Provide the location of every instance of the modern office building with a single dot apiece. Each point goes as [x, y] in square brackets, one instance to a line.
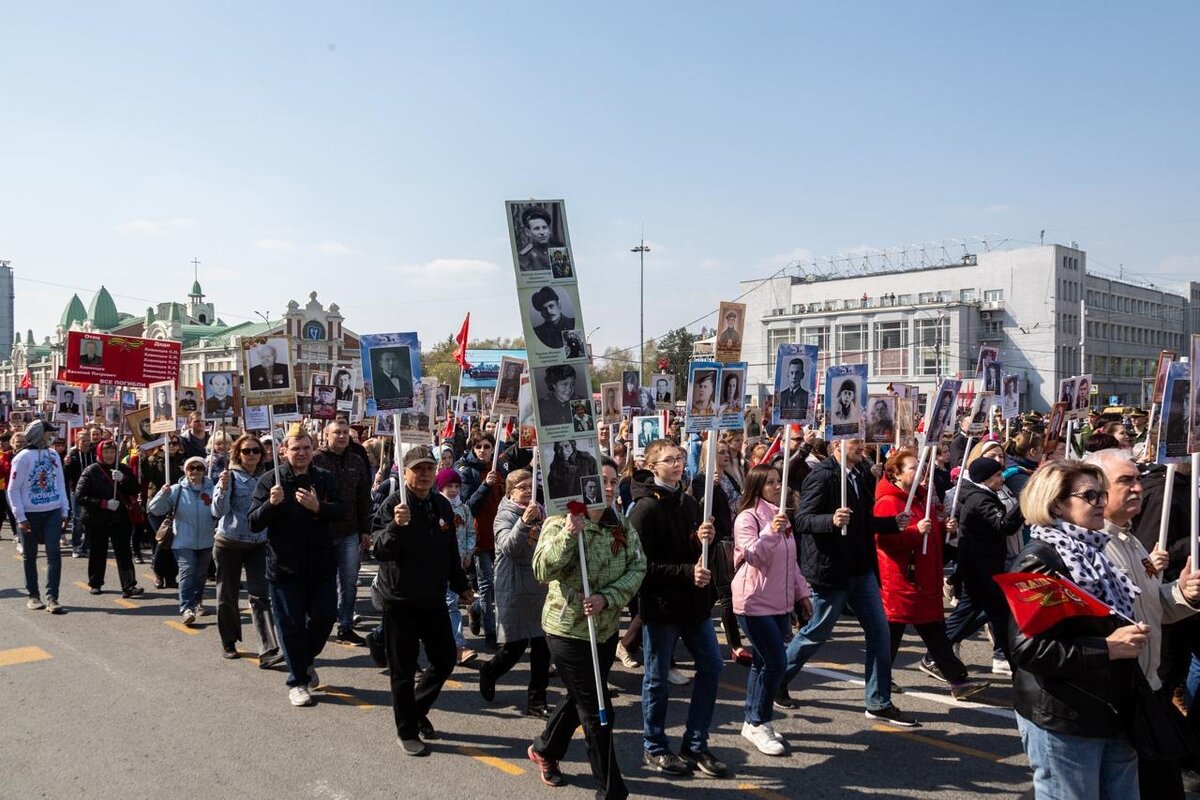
[7, 321]
[1048, 316]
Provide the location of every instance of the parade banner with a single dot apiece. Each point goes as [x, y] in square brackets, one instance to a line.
[731, 320]
[1010, 397]
[267, 370]
[222, 397]
[845, 401]
[1173, 416]
[507, 399]
[485, 366]
[703, 378]
[559, 381]
[941, 411]
[980, 407]
[120, 360]
[881, 418]
[733, 389]
[663, 386]
[795, 383]
[391, 368]
[162, 407]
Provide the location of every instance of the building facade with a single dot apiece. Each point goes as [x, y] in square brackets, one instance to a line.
[1039, 306]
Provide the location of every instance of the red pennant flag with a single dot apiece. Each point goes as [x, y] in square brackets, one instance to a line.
[460, 355]
[774, 449]
[448, 431]
[26, 381]
[1039, 602]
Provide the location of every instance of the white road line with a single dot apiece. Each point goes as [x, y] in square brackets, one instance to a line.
[1004, 713]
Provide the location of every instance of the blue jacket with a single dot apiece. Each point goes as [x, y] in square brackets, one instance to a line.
[194, 523]
[231, 508]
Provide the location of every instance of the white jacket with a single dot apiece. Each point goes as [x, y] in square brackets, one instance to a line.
[37, 483]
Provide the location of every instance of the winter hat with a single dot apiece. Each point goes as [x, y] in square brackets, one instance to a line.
[39, 434]
[983, 468]
[447, 476]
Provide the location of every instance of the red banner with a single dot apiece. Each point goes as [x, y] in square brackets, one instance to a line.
[1039, 602]
[120, 360]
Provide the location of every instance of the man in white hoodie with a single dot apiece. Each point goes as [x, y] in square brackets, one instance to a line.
[38, 496]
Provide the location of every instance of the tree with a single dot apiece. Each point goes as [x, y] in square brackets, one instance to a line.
[676, 348]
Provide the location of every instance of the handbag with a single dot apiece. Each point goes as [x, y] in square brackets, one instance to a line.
[1156, 728]
[165, 535]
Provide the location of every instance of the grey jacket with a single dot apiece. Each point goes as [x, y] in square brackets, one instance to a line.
[231, 507]
[519, 596]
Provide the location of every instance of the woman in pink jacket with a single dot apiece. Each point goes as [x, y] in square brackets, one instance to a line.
[767, 586]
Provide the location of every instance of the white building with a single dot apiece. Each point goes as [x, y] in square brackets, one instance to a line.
[924, 324]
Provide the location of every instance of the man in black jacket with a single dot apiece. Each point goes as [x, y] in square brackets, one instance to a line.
[301, 565]
[677, 598]
[417, 551]
[841, 568]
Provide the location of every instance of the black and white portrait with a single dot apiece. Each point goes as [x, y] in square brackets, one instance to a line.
[391, 377]
[220, 396]
[91, 353]
[663, 386]
[881, 419]
[268, 365]
[556, 386]
[566, 462]
[551, 311]
[537, 230]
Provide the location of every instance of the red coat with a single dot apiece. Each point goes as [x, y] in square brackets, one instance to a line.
[905, 600]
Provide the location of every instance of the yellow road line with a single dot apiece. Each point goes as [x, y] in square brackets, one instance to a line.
[506, 767]
[453, 684]
[124, 603]
[761, 791]
[348, 698]
[18, 557]
[179, 626]
[934, 742]
[83, 586]
[22, 655]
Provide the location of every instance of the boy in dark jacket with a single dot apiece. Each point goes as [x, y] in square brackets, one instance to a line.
[841, 568]
[417, 549]
[677, 598]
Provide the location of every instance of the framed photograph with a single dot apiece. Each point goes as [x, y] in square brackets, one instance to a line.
[1165, 357]
[610, 403]
[881, 419]
[508, 387]
[221, 397]
[1010, 397]
[702, 410]
[732, 398]
[552, 313]
[583, 417]
[557, 386]
[70, 404]
[731, 318]
[845, 401]
[162, 407]
[981, 405]
[795, 383]
[1173, 416]
[941, 414]
[540, 242]
[566, 462]
[645, 431]
[391, 377]
[267, 370]
[663, 386]
[323, 401]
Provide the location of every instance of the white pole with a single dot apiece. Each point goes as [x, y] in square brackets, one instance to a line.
[929, 505]
[1071, 438]
[499, 437]
[271, 435]
[587, 592]
[1168, 490]
[920, 467]
[1195, 483]
[399, 455]
[787, 457]
[710, 469]
[962, 471]
[845, 528]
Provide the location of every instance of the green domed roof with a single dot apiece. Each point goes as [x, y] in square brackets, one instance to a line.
[74, 312]
[103, 311]
[196, 290]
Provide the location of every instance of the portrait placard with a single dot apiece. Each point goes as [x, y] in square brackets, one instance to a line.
[391, 370]
[344, 385]
[663, 386]
[981, 405]
[645, 431]
[1165, 357]
[267, 370]
[906, 421]
[527, 425]
[1082, 401]
[70, 403]
[610, 402]
[1194, 398]
[1010, 398]
[845, 401]
[566, 462]
[553, 331]
[508, 387]
[1173, 416]
[881, 419]
[221, 396]
[795, 383]
[941, 413]
[988, 368]
[731, 319]
[702, 411]
[541, 244]
[322, 401]
[139, 427]
[188, 401]
[162, 407]
[752, 427]
[416, 423]
[556, 387]
[1054, 427]
[732, 397]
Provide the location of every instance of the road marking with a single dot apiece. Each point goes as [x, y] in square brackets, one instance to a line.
[22, 655]
[761, 791]
[347, 698]
[453, 684]
[83, 586]
[123, 603]
[935, 742]
[946, 700]
[179, 626]
[18, 557]
[506, 767]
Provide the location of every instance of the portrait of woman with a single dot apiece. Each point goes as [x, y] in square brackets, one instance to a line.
[567, 466]
[731, 392]
[704, 389]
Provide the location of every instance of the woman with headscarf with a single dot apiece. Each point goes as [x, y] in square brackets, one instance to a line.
[103, 495]
[191, 502]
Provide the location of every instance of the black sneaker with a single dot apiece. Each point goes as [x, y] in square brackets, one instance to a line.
[375, 649]
[540, 710]
[94, 590]
[229, 650]
[271, 658]
[487, 685]
[473, 622]
[667, 763]
[893, 716]
[426, 729]
[784, 700]
[931, 669]
[348, 636]
[704, 761]
[133, 591]
[551, 775]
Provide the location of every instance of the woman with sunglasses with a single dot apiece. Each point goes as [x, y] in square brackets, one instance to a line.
[235, 548]
[104, 489]
[1073, 682]
[191, 502]
[153, 472]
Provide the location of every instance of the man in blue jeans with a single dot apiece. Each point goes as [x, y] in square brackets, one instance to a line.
[677, 598]
[840, 568]
[38, 496]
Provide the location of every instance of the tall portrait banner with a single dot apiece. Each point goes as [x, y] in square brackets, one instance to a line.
[795, 383]
[731, 322]
[162, 407]
[391, 369]
[1173, 416]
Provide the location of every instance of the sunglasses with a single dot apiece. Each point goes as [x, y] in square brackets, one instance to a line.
[195, 468]
[1091, 497]
[251, 451]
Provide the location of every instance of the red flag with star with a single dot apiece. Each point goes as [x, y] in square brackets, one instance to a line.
[1039, 602]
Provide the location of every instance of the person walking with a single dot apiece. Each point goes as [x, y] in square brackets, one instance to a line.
[102, 496]
[190, 501]
[39, 499]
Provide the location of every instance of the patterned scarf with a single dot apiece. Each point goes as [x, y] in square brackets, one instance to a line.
[1082, 550]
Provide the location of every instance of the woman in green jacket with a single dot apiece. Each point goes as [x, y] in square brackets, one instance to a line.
[615, 568]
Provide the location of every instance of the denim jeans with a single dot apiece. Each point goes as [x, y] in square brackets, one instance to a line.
[658, 642]
[768, 635]
[47, 525]
[485, 603]
[455, 618]
[193, 570]
[304, 615]
[1067, 767]
[1191, 687]
[349, 558]
[862, 591]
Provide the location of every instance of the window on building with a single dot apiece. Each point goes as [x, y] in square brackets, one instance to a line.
[933, 345]
[966, 295]
[776, 337]
[925, 297]
[1098, 366]
[993, 295]
[904, 300]
[851, 302]
[852, 344]
[992, 329]
[945, 297]
[891, 348]
[819, 335]
[831, 305]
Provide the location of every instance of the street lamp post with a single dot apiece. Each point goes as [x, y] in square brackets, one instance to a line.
[641, 250]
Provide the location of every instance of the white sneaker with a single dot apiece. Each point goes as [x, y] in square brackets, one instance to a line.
[761, 737]
[677, 678]
[35, 604]
[776, 735]
[201, 611]
[189, 617]
[300, 697]
[626, 659]
[957, 648]
[1000, 667]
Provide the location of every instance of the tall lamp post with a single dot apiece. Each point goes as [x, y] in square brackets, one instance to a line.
[641, 250]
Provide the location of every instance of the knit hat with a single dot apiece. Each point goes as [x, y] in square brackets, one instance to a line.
[447, 476]
[39, 434]
[983, 468]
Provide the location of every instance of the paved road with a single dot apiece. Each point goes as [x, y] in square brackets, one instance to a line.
[115, 700]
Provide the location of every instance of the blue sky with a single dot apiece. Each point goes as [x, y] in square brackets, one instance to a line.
[365, 150]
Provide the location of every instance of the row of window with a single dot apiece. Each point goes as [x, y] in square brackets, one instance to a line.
[1133, 305]
[898, 347]
[1134, 335]
[892, 300]
[1121, 367]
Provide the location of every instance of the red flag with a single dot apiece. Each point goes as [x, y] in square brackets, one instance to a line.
[1039, 602]
[448, 431]
[460, 355]
[26, 381]
[774, 449]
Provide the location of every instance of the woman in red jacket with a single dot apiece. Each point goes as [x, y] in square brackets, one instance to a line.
[912, 580]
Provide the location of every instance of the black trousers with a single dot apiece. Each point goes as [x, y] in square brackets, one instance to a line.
[933, 634]
[733, 635]
[573, 657]
[985, 593]
[100, 536]
[539, 665]
[407, 626]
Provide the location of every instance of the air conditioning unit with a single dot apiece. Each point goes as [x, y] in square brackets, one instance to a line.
[993, 305]
[987, 316]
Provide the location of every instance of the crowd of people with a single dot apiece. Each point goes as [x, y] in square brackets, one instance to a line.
[462, 544]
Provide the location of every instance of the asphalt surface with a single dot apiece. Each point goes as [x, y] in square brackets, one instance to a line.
[114, 699]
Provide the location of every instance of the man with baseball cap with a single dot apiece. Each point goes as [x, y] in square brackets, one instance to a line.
[417, 550]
